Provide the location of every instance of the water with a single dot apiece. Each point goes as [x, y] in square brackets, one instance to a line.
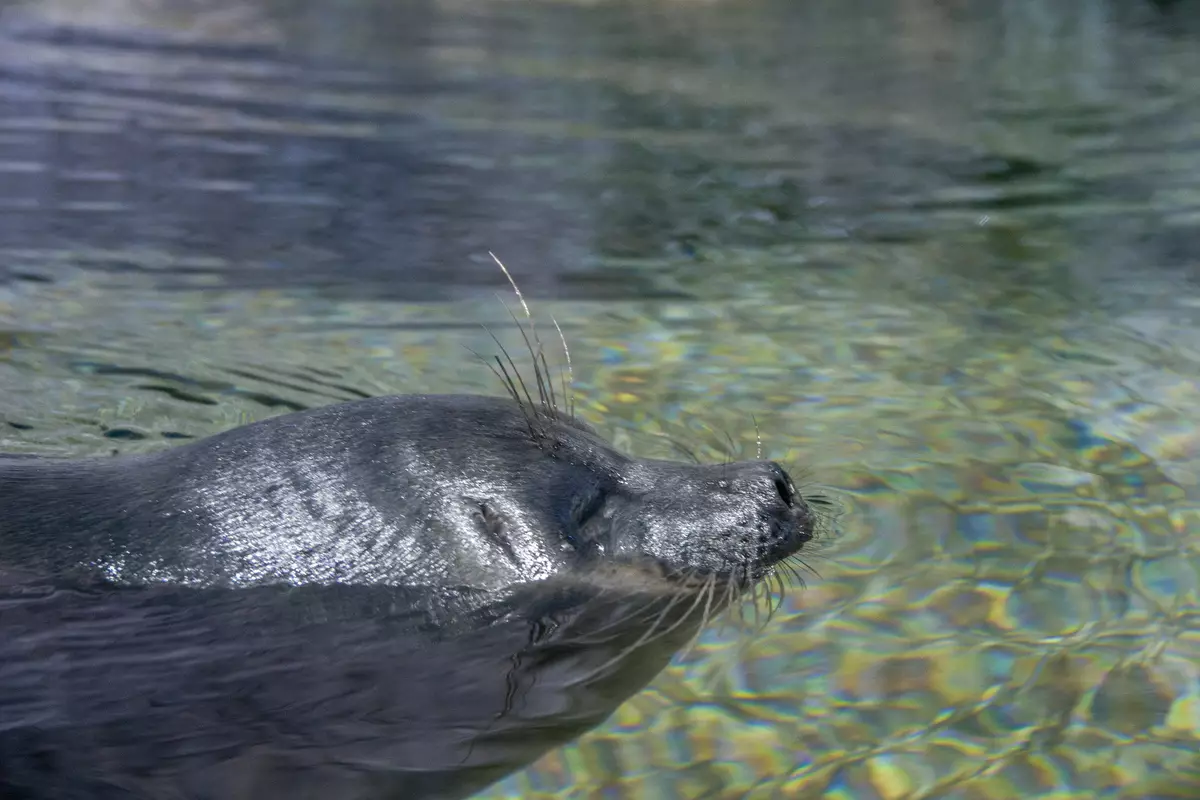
[940, 256]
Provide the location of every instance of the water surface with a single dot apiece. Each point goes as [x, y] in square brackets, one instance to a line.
[939, 256]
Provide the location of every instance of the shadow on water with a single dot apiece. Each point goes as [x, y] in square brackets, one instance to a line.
[942, 255]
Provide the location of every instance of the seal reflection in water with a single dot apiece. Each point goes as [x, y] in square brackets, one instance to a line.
[400, 597]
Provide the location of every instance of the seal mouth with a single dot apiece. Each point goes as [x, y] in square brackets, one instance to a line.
[644, 572]
[657, 576]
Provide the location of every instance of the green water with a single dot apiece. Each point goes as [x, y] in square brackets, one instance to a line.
[940, 257]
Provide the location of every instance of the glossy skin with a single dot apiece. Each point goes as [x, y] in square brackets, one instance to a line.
[401, 597]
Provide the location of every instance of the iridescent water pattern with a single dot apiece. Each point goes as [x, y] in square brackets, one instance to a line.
[942, 256]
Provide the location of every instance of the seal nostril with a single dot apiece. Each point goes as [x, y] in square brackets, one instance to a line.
[784, 487]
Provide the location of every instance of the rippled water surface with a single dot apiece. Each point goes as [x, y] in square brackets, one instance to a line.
[943, 256]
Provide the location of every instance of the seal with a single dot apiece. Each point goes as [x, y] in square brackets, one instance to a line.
[398, 597]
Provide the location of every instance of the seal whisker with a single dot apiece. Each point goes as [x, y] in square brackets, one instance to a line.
[595, 636]
[570, 375]
[776, 596]
[734, 451]
[687, 451]
[791, 569]
[487, 362]
[709, 590]
[516, 373]
[731, 608]
[546, 378]
[739, 600]
[732, 595]
[527, 412]
[540, 370]
[762, 593]
[507, 381]
[780, 593]
[755, 599]
[817, 494]
[743, 605]
[540, 364]
[654, 633]
[516, 289]
[808, 567]
[771, 594]
[600, 594]
[674, 597]
[503, 376]
[770, 599]
[538, 377]
[683, 449]
[530, 411]
[722, 444]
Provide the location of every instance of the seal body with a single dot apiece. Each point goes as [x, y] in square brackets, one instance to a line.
[401, 597]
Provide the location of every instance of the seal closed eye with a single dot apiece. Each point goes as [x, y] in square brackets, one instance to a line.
[405, 596]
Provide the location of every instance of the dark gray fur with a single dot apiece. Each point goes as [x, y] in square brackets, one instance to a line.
[401, 597]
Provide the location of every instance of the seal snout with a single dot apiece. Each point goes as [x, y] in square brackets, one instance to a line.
[784, 520]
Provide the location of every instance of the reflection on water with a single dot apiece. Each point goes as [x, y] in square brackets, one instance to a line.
[942, 255]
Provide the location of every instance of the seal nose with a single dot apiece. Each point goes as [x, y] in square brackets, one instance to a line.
[769, 476]
[788, 522]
